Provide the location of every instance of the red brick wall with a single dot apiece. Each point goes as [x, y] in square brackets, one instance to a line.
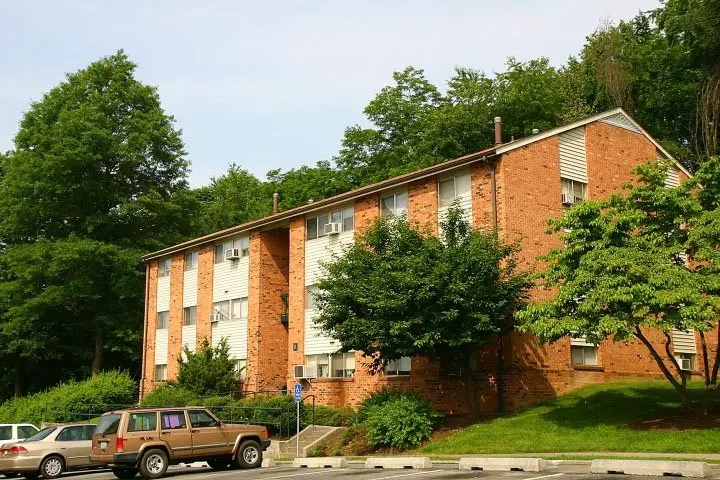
[423, 205]
[149, 340]
[177, 279]
[267, 337]
[296, 326]
[206, 263]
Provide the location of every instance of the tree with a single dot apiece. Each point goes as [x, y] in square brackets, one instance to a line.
[207, 372]
[622, 272]
[97, 177]
[399, 293]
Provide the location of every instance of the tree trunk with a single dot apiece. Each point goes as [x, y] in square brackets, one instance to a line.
[499, 375]
[710, 376]
[98, 358]
[19, 379]
[470, 388]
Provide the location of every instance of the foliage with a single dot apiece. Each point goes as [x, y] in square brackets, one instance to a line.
[207, 372]
[334, 417]
[597, 418]
[623, 270]
[400, 293]
[398, 420]
[72, 401]
[169, 395]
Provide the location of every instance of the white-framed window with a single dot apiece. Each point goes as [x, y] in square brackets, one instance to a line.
[164, 267]
[191, 261]
[189, 316]
[222, 309]
[399, 367]
[452, 188]
[242, 243]
[573, 191]
[160, 373]
[686, 361]
[241, 369]
[311, 292]
[163, 318]
[394, 204]
[333, 365]
[315, 226]
[584, 355]
[234, 309]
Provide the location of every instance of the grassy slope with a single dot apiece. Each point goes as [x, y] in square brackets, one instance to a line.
[587, 420]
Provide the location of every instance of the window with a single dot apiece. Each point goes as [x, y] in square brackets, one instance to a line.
[243, 244]
[71, 434]
[686, 361]
[142, 422]
[189, 315]
[315, 226]
[88, 431]
[162, 320]
[173, 420]
[191, 261]
[219, 253]
[343, 364]
[41, 435]
[223, 309]
[584, 355]
[201, 418]
[395, 368]
[164, 268]
[239, 308]
[160, 373]
[395, 204]
[26, 431]
[310, 296]
[453, 188]
[108, 424]
[577, 190]
[241, 369]
[5, 433]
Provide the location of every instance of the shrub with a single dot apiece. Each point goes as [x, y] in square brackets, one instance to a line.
[319, 450]
[378, 398]
[399, 421]
[169, 395]
[72, 401]
[209, 371]
[334, 417]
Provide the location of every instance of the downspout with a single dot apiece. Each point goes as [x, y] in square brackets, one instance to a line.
[500, 368]
[145, 325]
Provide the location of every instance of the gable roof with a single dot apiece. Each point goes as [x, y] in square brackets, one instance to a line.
[617, 117]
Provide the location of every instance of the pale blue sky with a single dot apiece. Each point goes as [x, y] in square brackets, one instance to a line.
[270, 84]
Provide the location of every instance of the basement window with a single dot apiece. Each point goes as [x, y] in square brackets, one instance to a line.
[585, 355]
[335, 365]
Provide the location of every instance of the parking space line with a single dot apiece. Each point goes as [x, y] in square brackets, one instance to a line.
[326, 470]
[545, 476]
[409, 474]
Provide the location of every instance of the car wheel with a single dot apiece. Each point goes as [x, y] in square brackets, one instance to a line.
[52, 467]
[154, 463]
[249, 455]
[219, 464]
[124, 473]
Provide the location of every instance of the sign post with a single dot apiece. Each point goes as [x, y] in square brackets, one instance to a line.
[298, 399]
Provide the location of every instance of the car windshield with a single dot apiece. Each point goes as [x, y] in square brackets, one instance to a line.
[41, 435]
[108, 424]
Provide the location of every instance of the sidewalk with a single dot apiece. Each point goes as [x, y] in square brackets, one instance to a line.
[590, 455]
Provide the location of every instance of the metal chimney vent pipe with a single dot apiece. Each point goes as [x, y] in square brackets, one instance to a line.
[276, 200]
[498, 130]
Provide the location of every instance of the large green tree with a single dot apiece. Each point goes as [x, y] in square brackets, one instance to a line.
[623, 272]
[400, 293]
[97, 176]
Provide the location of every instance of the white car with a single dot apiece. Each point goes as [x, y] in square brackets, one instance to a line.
[12, 433]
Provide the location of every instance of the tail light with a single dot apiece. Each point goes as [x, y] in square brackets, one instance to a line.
[120, 445]
[266, 432]
[16, 450]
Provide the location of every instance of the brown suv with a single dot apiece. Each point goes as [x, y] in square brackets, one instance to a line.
[147, 440]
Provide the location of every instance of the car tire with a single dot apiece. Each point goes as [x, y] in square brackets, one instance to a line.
[219, 464]
[52, 467]
[249, 455]
[125, 473]
[154, 463]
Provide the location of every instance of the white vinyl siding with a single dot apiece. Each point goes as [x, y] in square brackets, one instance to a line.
[315, 341]
[324, 249]
[231, 279]
[573, 161]
[236, 334]
[683, 342]
[190, 288]
[189, 337]
[163, 294]
[161, 347]
[620, 120]
[455, 186]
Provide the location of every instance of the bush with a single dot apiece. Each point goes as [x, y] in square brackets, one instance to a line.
[334, 417]
[400, 420]
[169, 395]
[72, 401]
[319, 450]
[209, 371]
[378, 398]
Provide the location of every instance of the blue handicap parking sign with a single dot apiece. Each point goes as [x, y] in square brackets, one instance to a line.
[298, 392]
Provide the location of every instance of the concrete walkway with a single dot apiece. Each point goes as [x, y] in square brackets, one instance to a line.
[688, 456]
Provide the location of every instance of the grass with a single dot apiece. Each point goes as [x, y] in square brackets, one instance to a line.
[591, 419]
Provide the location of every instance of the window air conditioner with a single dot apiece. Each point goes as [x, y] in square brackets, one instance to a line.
[568, 199]
[232, 254]
[305, 371]
[333, 228]
[215, 317]
[685, 364]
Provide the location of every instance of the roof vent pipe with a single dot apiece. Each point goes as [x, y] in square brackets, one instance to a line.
[498, 130]
[276, 199]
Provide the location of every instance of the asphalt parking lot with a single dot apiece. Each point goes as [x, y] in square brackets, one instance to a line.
[445, 472]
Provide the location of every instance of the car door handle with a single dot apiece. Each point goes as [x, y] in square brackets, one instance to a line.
[164, 433]
[194, 431]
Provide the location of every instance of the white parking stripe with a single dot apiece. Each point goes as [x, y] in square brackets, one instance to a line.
[545, 476]
[408, 474]
[327, 470]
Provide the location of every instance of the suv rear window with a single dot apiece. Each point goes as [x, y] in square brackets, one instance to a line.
[5, 433]
[108, 424]
[25, 431]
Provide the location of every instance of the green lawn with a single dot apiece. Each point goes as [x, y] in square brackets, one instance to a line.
[591, 419]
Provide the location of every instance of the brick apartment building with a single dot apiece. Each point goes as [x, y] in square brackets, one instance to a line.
[252, 284]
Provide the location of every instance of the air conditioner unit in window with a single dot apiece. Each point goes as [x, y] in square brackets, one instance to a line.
[685, 364]
[215, 317]
[305, 371]
[333, 228]
[232, 254]
[569, 199]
